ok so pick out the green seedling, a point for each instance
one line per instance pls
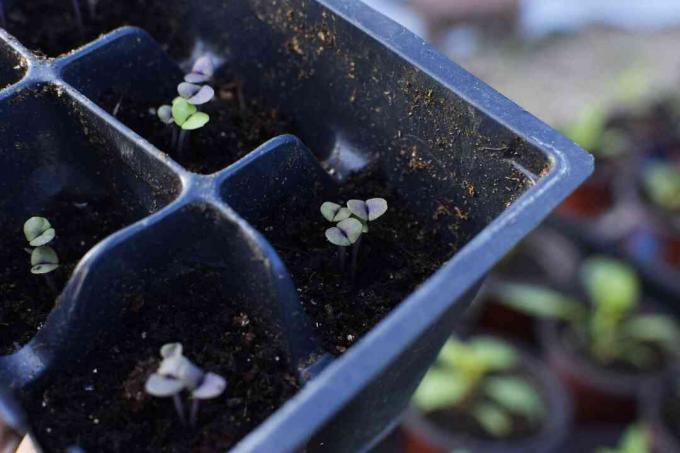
(636, 439)
(661, 183)
(480, 378)
(610, 326)
(39, 232)
(176, 374)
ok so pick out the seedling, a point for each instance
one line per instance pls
(177, 373)
(352, 222)
(636, 439)
(202, 70)
(661, 182)
(610, 327)
(39, 232)
(479, 378)
(183, 111)
(367, 211)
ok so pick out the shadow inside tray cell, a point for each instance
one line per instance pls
(57, 162)
(12, 66)
(130, 76)
(280, 188)
(54, 27)
(194, 277)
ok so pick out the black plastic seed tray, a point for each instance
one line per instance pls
(360, 91)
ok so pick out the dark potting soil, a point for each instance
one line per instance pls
(462, 424)
(50, 26)
(101, 405)
(237, 126)
(398, 253)
(27, 299)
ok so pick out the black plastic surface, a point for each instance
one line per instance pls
(360, 89)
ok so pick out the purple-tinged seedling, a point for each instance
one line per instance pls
(202, 71)
(367, 211)
(345, 233)
(195, 94)
(177, 373)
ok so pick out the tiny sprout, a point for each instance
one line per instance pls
(187, 116)
(177, 373)
(202, 70)
(44, 260)
(38, 231)
(367, 211)
(195, 94)
(165, 114)
(333, 212)
(346, 233)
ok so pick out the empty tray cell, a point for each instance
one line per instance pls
(57, 163)
(12, 66)
(285, 189)
(54, 27)
(213, 291)
(130, 76)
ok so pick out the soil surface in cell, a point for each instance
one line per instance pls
(396, 255)
(27, 299)
(100, 403)
(238, 124)
(51, 27)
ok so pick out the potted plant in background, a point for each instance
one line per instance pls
(485, 395)
(605, 350)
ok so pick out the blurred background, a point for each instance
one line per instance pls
(589, 304)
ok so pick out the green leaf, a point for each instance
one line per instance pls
(539, 302)
(515, 395)
(636, 439)
(493, 419)
(612, 285)
(35, 227)
(439, 389)
(182, 110)
(588, 128)
(196, 121)
(661, 182)
(44, 260)
(657, 329)
(333, 212)
(494, 354)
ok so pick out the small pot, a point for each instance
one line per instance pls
(423, 436)
(599, 394)
(655, 403)
(546, 258)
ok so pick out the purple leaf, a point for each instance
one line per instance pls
(212, 386)
(162, 386)
(358, 208)
(204, 65)
(195, 94)
(376, 208)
